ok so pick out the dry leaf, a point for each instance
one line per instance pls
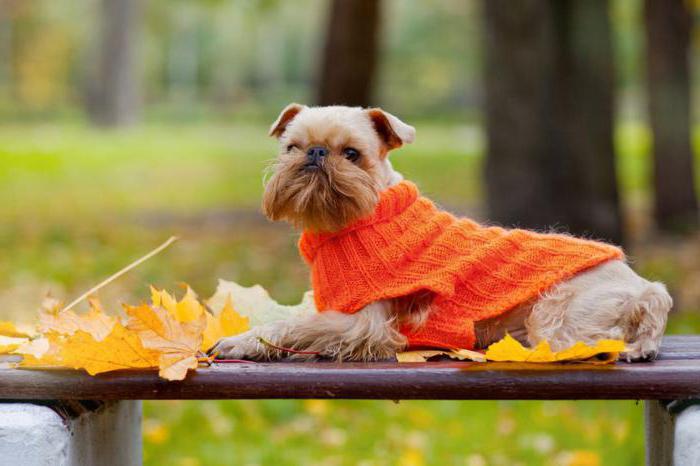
(41, 352)
(121, 349)
(94, 322)
(177, 342)
(581, 351)
(424, 355)
(4, 349)
(34, 348)
(256, 304)
(186, 310)
(509, 349)
(227, 323)
(9, 329)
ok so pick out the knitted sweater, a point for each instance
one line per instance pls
(475, 272)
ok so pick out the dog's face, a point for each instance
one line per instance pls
(332, 164)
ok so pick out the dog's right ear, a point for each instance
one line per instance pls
(287, 115)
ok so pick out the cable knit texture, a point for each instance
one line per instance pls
(475, 272)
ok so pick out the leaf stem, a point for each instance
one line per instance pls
(282, 348)
(232, 361)
(110, 279)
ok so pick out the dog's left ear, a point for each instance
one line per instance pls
(391, 130)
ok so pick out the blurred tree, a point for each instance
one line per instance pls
(6, 56)
(114, 94)
(668, 27)
(350, 53)
(549, 113)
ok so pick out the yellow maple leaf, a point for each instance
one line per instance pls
(121, 349)
(95, 321)
(41, 352)
(581, 351)
(176, 342)
(186, 310)
(424, 355)
(227, 323)
(4, 349)
(509, 349)
(9, 329)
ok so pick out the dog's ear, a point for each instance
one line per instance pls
(287, 115)
(391, 130)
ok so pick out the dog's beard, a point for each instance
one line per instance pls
(326, 199)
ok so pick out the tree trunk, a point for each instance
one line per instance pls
(668, 26)
(6, 58)
(549, 113)
(350, 53)
(114, 98)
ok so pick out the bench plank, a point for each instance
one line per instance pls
(676, 375)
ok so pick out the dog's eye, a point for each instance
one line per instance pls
(351, 154)
(292, 147)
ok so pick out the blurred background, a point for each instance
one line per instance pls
(123, 122)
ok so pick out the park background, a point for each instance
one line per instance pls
(123, 122)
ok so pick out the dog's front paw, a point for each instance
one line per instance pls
(641, 350)
(244, 346)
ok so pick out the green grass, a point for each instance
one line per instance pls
(78, 204)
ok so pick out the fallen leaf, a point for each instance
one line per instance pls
(94, 322)
(177, 342)
(581, 351)
(227, 323)
(4, 349)
(41, 352)
(9, 329)
(256, 304)
(424, 355)
(186, 310)
(121, 349)
(509, 349)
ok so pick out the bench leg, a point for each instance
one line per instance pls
(672, 432)
(71, 433)
(659, 428)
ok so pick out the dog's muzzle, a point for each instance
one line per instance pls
(315, 156)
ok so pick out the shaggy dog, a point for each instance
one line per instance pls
(333, 173)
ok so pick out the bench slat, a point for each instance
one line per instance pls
(674, 376)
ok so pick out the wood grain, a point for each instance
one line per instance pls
(670, 377)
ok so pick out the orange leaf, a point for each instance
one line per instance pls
(121, 349)
(8, 329)
(227, 323)
(509, 349)
(177, 342)
(186, 310)
(95, 322)
(424, 355)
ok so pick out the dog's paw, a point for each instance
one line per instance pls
(244, 346)
(642, 350)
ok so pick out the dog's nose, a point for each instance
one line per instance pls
(315, 154)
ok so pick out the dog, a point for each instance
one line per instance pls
(332, 174)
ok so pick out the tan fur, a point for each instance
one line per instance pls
(341, 191)
(608, 301)
(368, 335)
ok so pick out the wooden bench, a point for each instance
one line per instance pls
(670, 386)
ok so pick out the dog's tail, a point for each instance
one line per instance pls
(644, 320)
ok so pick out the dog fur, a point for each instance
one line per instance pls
(607, 301)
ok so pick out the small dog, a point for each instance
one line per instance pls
(333, 173)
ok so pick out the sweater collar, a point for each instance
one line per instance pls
(392, 202)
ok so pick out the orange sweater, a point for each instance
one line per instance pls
(475, 272)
